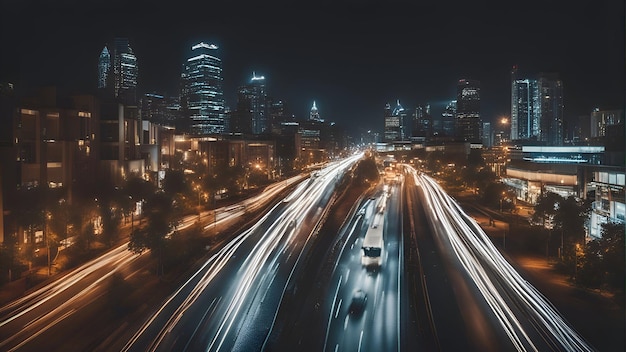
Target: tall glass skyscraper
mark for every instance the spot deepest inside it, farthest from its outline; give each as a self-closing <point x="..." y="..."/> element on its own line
<point x="551" y="101"/>
<point x="118" y="71"/>
<point x="202" y="97"/>
<point x="394" y="122"/>
<point x="537" y="108"/>
<point x="525" y="107"/>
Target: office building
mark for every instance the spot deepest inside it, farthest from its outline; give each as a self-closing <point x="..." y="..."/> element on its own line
<point x="422" y="125"/>
<point x="202" y="97"/>
<point x="468" y="111"/>
<point x="525" y="107"/>
<point x="251" y="113"/>
<point x="118" y="71"/>
<point x="551" y="109"/>
<point x="394" y="120"/>
<point x="600" y="119"/>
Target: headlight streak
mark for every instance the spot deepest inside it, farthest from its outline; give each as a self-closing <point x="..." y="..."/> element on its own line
<point x="117" y="257"/>
<point x="264" y="253"/>
<point x="111" y="261"/>
<point x="476" y="253"/>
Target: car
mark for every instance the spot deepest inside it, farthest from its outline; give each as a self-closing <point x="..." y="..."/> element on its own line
<point x="359" y="300"/>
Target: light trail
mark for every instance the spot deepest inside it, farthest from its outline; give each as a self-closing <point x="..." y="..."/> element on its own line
<point x="93" y="273"/>
<point x="495" y="278"/>
<point x="273" y="233"/>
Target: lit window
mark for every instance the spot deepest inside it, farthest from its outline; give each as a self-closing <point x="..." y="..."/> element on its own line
<point x="28" y="112"/>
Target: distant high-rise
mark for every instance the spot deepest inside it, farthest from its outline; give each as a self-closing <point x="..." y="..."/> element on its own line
<point x="118" y="71"/>
<point x="422" y="122"/>
<point x="251" y="113"/>
<point x="394" y="122"/>
<point x="447" y="119"/>
<point x="551" y="109"/>
<point x="468" y="110"/>
<point x="104" y="65"/>
<point x="525" y="107"/>
<point x="314" y="114"/>
<point x="600" y="119"/>
<point x="202" y="97"/>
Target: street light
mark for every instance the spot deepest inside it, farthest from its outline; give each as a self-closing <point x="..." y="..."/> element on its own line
<point x="501" y="201"/>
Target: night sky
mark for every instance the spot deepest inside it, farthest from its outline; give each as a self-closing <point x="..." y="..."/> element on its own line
<point x="350" y="56"/>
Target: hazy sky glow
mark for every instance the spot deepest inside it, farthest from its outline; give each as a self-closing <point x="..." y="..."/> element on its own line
<point x="351" y="57"/>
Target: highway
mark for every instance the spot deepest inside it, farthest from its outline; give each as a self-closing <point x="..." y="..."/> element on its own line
<point x="461" y="292"/>
<point x="377" y="327"/>
<point x="488" y="306"/>
<point x="25" y="321"/>
<point x="231" y="302"/>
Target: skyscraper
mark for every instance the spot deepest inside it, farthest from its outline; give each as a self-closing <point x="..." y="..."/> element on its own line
<point x="314" y="114"/>
<point x="104" y="65"/>
<point x="422" y="121"/>
<point x="468" y="110"/>
<point x="394" y="122"/>
<point x="118" y="71"/>
<point x="202" y="97"/>
<point x="551" y="109"/>
<point x="447" y="119"/>
<point x="525" y="107"/>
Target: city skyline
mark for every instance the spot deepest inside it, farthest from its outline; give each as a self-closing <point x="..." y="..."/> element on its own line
<point x="351" y="58"/>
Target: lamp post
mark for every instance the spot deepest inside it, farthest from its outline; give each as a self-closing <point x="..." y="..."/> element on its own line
<point x="576" y="261"/>
<point x="48" y="217"/>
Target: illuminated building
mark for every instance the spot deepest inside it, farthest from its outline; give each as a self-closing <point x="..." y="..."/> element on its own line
<point x="558" y="169"/>
<point x="600" y="119"/>
<point x="467" y="116"/>
<point x="537" y="108"/>
<point x="314" y="114"/>
<point x="159" y="109"/>
<point x="118" y="71"/>
<point x="551" y="109"/>
<point x="257" y="155"/>
<point x="525" y="107"/>
<point x="487" y="135"/>
<point x="608" y="203"/>
<point x="202" y="98"/>
<point x="394" y="122"/>
<point x="251" y="114"/>
<point x="104" y="65"/>
<point x="422" y="122"/>
<point x="447" y="120"/>
<point x="56" y="140"/>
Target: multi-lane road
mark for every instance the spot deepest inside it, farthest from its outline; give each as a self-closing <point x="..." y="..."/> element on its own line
<point x="453" y="292"/>
<point x="493" y="307"/>
<point x="230" y="303"/>
<point x="42" y="317"/>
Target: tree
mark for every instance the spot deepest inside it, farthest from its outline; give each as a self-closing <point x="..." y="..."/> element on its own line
<point x="546" y="207"/>
<point x="366" y="171"/>
<point x="161" y="215"/>
<point x="612" y="246"/>
<point x="175" y="182"/>
<point x="569" y="219"/>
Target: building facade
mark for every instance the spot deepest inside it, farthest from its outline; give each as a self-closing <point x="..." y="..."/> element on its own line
<point x="467" y="116"/>
<point x="600" y="119"/>
<point x="525" y="107"/>
<point x="118" y="71"/>
<point x="202" y="97"/>
<point x="394" y="121"/>
<point x="551" y="109"/>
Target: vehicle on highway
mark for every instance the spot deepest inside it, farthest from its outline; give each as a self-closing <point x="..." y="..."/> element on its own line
<point x="359" y="300"/>
<point x="373" y="242"/>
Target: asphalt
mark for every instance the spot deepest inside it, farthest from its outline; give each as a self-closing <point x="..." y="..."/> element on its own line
<point x="597" y="315"/>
